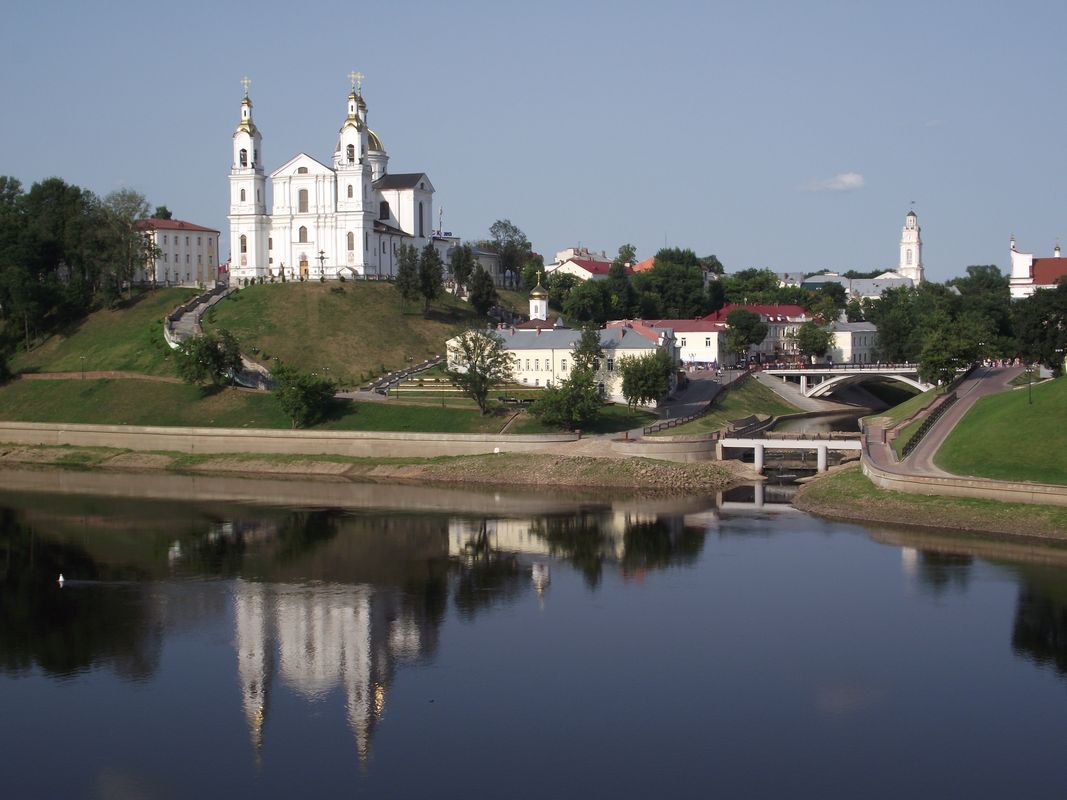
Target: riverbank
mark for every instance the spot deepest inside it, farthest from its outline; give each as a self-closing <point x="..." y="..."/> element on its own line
<point x="848" y="495"/>
<point x="502" y="469"/>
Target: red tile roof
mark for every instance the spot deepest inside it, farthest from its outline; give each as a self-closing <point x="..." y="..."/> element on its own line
<point x="170" y="225"/>
<point x="1047" y="271"/>
<point x="592" y="267"/>
<point x="687" y="325"/>
<point x="645" y="266"/>
<point x="764" y="310"/>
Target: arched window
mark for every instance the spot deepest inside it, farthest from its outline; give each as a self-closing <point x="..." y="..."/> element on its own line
<point x="244" y="157"/>
<point x="351" y="241"/>
<point x="383" y="209"/>
<point x="244" y="244"/>
<point x="302" y="201"/>
<point x="909" y="256"/>
<point x="242" y="195"/>
<point x="350" y="190"/>
<point x="351" y="150"/>
<point x="366" y="242"/>
<point x="303" y="234"/>
<point x="421" y="228"/>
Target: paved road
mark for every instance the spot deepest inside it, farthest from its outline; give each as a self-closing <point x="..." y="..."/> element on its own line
<point x="983" y="381"/>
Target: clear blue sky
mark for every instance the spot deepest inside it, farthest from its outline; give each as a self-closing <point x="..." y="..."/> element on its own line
<point x="779" y="134"/>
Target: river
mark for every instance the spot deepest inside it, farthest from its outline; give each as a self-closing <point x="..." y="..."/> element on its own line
<point x="410" y="642"/>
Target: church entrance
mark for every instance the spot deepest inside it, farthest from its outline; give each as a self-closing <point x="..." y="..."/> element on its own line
<point x="304" y="268"/>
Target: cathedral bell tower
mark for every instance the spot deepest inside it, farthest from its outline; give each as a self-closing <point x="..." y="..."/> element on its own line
<point x="911" y="250"/>
<point x="248" y="198"/>
<point x="356" y="207"/>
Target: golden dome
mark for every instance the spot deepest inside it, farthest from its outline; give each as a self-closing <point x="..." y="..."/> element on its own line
<point x="373" y="142"/>
<point x="539" y="292"/>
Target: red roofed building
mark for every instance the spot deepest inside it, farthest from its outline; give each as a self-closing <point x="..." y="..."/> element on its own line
<point x="782" y="323"/>
<point x="645" y="266"/>
<point x="1028" y="274"/>
<point x="187" y="254"/>
<point x="700" y="342"/>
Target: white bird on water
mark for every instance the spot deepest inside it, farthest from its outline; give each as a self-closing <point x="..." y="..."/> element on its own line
<point x="61" y="580"/>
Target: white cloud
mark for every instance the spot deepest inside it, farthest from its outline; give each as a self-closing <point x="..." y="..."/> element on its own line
<point x="841" y="182"/>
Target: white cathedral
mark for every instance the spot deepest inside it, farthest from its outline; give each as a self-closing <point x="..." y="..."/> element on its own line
<point x="346" y="220"/>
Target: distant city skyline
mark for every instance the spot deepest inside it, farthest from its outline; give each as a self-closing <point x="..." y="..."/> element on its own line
<point x="792" y="137"/>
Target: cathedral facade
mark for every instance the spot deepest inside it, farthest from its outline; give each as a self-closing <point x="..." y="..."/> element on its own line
<point x="347" y="219"/>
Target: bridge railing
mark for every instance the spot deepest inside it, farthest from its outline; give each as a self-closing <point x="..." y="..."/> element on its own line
<point x="878" y="366"/>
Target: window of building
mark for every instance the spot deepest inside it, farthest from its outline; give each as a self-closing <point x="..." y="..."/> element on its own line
<point x="421" y="230"/>
<point x="242" y="195"/>
<point x="596" y="364"/>
<point x="682" y="344"/>
<point x="527" y="364"/>
<point x="257" y="195"/>
<point x="537" y="365"/>
<point x="518" y="364"/>
<point x="302" y="201"/>
<point x="244" y="244"/>
<point x="909" y="256"/>
<point x="270" y="242"/>
<point x="351" y="241"/>
<point x="244" y="157"/>
<point x="350" y="190"/>
<point x="383" y="209"/>
<point x="303" y="234"/>
<point x="186" y="241"/>
<point x="164" y="238"/>
<point x="199" y="259"/>
<point x="611" y="365"/>
<point x="563" y="364"/>
<point x="210" y="259"/>
<point x="537" y="381"/>
<point x="198" y="241"/>
<point x="186" y="258"/>
<point x="301" y="170"/>
<point x="366" y="242"/>
<point x="166" y="256"/>
<point x="383" y="245"/>
<point x="351" y="151"/>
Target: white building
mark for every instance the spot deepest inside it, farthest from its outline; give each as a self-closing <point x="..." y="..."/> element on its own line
<point x="1028" y="274"/>
<point x="853" y="342"/>
<point x="911" y="250"/>
<point x="782" y="321"/>
<point x="700" y="343"/>
<point x="347" y="219"/>
<point x="187" y="254"/>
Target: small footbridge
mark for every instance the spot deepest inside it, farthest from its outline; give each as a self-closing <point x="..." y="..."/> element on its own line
<point x="760" y="443"/>
<point x="816" y="380"/>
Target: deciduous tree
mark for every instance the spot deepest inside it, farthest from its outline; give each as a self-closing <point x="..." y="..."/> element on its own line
<point x="305" y="398"/>
<point x="479" y="361"/>
<point x="482" y="291"/>
<point x="407" y="273"/>
<point x="208" y="358"/>
<point x="646" y="379"/>
<point x="461" y="263"/>
<point x="431" y="277"/>
<point x="572" y="403"/>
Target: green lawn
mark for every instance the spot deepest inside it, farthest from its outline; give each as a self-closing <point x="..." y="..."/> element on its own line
<point x="346" y="330"/>
<point x="850" y="491"/>
<point x="1006" y="438"/>
<point x="745" y="398"/>
<point x="131" y="402"/>
<point x="612" y="419"/>
<point x="129" y="338"/>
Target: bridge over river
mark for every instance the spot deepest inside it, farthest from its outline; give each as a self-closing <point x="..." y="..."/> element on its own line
<point x="822" y="444"/>
<point x="819" y="380"/>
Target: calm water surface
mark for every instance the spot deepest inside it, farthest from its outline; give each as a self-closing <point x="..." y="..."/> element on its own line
<point x="400" y="642"/>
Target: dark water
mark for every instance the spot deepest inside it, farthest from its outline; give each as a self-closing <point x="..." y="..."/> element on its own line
<point x="556" y="647"/>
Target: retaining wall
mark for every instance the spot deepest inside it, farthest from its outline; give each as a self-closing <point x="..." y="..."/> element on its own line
<point x="239" y="440"/>
<point x="980" y="488"/>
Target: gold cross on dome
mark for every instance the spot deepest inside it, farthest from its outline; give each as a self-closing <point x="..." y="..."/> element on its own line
<point x="357" y="80"/>
<point x="246" y="82"/>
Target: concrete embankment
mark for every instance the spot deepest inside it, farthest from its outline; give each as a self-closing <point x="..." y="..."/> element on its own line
<point x="277" y="442"/>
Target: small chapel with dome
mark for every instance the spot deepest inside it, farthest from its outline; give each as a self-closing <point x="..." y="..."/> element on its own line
<point x="347" y="219"/>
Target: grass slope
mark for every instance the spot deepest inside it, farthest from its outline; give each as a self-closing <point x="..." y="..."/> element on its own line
<point x="612" y="419"/>
<point x="747" y="397"/>
<point x="349" y="329"/>
<point x="1006" y="438"/>
<point x="850" y="495"/>
<point x="131" y="402"/>
<point x="129" y="338"/>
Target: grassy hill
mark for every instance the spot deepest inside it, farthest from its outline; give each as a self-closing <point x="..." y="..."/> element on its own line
<point x="128" y="338"/>
<point x="1006" y="438"/>
<point x="747" y="397"/>
<point x="139" y="402"/>
<point x="347" y="330"/>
